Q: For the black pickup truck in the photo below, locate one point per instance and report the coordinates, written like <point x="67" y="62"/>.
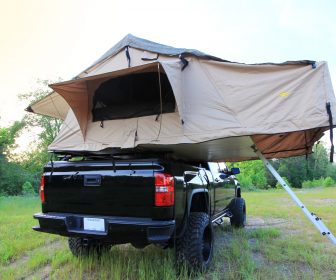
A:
<point x="100" y="200"/>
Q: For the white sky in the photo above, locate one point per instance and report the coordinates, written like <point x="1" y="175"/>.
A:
<point x="42" y="39"/>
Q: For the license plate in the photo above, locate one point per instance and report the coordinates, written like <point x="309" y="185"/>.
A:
<point x="94" y="224"/>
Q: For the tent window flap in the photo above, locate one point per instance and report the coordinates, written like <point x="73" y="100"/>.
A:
<point x="131" y="96"/>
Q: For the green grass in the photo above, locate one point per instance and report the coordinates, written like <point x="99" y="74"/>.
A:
<point x="279" y="243"/>
<point x="16" y="235"/>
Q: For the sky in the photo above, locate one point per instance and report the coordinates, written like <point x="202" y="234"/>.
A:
<point x="42" y="39"/>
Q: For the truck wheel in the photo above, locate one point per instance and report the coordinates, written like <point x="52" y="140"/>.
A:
<point x="80" y="247"/>
<point x="195" y="247"/>
<point x="238" y="210"/>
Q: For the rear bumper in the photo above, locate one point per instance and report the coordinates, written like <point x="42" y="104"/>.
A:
<point x="117" y="229"/>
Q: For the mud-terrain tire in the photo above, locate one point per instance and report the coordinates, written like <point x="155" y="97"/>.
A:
<point x="238" y="210"/>
<point x="195" y="247"/>
<point x="78" y="247"/>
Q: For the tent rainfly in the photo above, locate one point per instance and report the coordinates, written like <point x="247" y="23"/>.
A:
<point x="147" y="96"/>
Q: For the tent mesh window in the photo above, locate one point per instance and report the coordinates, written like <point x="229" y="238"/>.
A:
<point x="132" y="96"/>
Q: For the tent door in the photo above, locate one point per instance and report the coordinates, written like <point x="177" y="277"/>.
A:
<point x="311" y="216"/>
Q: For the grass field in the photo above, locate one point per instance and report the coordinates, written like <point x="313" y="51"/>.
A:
<point x="278" y="243"/>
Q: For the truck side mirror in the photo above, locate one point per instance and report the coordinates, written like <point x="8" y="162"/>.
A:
<point x="223" y="175"/>
<point x="235" y="170"/>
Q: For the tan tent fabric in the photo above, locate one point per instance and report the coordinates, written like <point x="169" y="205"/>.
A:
<point x="78" y="93"/>
<point x="119" y="62"/>
<point x="78" y="102"/>
<point x="250" y="99"/>
<point x="219" y="107"/>
<point x="53" y="105"/>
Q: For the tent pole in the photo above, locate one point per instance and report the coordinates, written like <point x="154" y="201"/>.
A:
<point x="311" y="216"/>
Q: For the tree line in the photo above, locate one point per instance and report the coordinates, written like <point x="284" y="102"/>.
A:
<point x="20" y="174"/>
<point x="312" y="170"/>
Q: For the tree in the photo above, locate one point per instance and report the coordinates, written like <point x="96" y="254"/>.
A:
<point x="295" y="169"/>
<point x="49" y="126"/>
<point x="7" y="135"/>
<point x="318" y="163"/>
<point x="253" y="174"/>
<point x="26" y="168"/>
<point x="36" y="158"/>
<point x="12" y="175"/>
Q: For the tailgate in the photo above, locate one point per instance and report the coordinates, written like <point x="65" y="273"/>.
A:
<point x="101" y="188"/>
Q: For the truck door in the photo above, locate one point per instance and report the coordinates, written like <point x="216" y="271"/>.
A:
<point x="224" y="188"/>
<point x="208" y="182"/>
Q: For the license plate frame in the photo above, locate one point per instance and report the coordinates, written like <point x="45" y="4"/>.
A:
<point x="94" y="224"/>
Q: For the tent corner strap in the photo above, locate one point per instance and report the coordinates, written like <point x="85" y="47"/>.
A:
<point x="317" y="221"/>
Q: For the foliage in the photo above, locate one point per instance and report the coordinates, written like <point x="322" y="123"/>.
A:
<point x="331" y="171"/>
<point x="298" y="171"/>
<point x="12" y="175"/>
<point x="321" y="182"/>
<point x="294" y="169"/>
<point x="35" y="158"/>
<point x="49" y="126"/>
<point x="27" y="189"/>
<point x="312" y="184"/>
<point x="253" y="174"/>
<point x="312" y="168"/>
<point x="16" y="172"/>
<point x="246" y="183"/>
<point x="278" y="185"/>
<point x="328" y="182"/>
<point x="7" y="135"/>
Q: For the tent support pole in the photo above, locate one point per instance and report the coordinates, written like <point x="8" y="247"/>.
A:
<point x="311" y="216"/>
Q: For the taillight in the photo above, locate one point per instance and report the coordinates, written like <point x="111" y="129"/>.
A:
<point x="164" y="189"/>
<point x="42" y="190"/>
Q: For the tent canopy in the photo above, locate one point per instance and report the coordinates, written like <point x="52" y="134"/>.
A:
<point x="146" y="96"/>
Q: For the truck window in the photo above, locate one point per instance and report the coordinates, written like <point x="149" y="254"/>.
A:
<point x="222" y="166"/>
<point x="214" y="168"/>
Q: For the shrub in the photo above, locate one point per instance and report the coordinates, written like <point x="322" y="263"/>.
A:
<point x="307" y="184"/>
<point x="328" y="182"/>
<point x="314" y="183"/>
<point x="250" y="188"/>
<point x="318" y="182"/>
<point x="331" y="171"/>
<point x="259" y="180"/>
<point x="246" y="183"/>
<point x="27" y="189"/>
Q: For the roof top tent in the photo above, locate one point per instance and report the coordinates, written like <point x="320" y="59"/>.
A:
<point x="141" y="95"/>
<point x="147" y="96"/>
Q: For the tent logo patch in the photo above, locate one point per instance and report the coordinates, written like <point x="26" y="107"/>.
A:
<point x="284" y="94"/>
